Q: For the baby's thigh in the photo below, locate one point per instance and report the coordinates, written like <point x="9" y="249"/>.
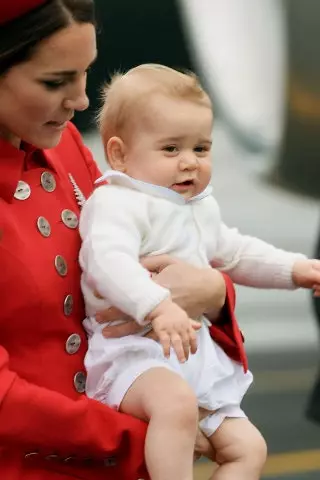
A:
<point x="159" y="391"/>
<point x="237" y="439"/>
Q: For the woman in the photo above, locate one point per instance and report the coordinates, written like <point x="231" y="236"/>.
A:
<point x="48" y="428"/>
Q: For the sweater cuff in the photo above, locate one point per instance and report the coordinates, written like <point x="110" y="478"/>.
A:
<point x="283" y="276"/>
<point x="152" y="299"/>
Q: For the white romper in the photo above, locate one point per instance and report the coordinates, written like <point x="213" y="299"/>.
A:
<point x="128" y="219"/>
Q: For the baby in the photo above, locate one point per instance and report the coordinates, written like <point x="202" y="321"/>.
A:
<point x="156" y="126"/>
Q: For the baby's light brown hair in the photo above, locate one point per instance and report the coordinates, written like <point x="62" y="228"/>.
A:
<point x="126" y="96"/>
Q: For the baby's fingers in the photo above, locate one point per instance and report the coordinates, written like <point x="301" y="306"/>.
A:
<point x="195" y="325"/>
<point x="316" y="264"/>
<point x="185" y="337"/>
<point x="176" y="342"/>
<point x="193" y="341"/>
<point x="316" y="277"/>
<point x="164" y="339"/>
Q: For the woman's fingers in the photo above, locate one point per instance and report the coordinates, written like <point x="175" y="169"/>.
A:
<point x="157" y="263"/>
<point x="109" y="315"/>
<point x="152" y="334"/>
<point x="122" y="330"/>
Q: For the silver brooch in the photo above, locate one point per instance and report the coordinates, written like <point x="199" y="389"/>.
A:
<point x="77" y="192"/>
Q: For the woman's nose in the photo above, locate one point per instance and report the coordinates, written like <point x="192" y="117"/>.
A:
<point x="77" y="99"/>
<point x="79" y="103"/>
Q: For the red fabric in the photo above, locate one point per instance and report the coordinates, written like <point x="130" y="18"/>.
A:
<point x="11" y="9"/>
<point x="226" y="331"/>
<point x="40" y="410"/>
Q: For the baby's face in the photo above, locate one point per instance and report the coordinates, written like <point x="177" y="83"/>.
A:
<point x="171" y="145"/>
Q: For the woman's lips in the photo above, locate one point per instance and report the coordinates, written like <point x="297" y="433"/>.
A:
<point x="57" y="125"/>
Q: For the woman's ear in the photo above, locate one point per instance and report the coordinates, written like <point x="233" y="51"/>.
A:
<point x="115" y="152"/>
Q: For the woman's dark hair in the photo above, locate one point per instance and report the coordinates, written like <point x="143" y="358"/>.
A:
<point x="20" y="37"/>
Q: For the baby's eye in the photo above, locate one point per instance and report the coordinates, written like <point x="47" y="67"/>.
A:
<point x="201" y="148"/>
<point x="170" y="148"/>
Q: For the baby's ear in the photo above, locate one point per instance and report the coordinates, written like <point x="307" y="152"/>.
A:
<point x="115" y="151"/>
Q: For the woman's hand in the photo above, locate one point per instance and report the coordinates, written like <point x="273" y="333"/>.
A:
<point x="127" y="327"/>
<point x="196" y="290"/>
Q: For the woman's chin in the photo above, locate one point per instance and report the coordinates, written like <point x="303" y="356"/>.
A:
<point x="46" y="139"/>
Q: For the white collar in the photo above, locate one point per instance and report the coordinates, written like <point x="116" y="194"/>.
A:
<point x="118" y="178"/>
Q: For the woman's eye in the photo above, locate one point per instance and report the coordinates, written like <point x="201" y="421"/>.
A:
<point x="53" y="84"/>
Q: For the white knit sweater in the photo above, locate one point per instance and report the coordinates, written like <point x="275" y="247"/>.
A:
<point x="128" y="219"/>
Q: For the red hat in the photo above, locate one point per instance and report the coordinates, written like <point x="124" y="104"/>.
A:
<point x="11" y="9"/>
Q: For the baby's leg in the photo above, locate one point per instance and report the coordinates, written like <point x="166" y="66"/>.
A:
<point x="165" y="400"/>
<point x="241" y="451"/>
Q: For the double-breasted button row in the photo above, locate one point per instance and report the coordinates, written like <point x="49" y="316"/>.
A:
<point x="70" y="220"/>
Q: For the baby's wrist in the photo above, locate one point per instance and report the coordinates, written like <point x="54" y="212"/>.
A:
<point x="159" y="309"/>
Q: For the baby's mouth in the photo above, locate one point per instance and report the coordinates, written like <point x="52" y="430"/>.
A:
<point x="186" y="183"/>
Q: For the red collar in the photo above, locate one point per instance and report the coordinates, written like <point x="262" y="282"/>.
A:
<point x="14" y="161"/>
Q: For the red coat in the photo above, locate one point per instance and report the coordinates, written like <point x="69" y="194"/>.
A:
<point x="49" y="430"/>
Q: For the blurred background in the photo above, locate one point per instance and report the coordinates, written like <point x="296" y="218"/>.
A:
<point x="260" y="63"/>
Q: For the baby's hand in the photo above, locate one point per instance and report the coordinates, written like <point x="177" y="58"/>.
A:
<point x="306" y="274"/>
<point x="174" y="329"/>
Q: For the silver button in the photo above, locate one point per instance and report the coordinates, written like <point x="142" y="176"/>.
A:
<point x="69" y="218"/>
<point x="68" y="305"/>
<point x="48" y="182"/>
<point x="79" y="381"/>
<point x="61" y="265"/>
<point x="52" y="457"/>
<point x="31" y="454"/>
<point x="44" y="226"/>
<point x="73" y="343"/>
<point x="23" y="191"/>
<point x="69" y="459"/>
<point x="110" y="462"/>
